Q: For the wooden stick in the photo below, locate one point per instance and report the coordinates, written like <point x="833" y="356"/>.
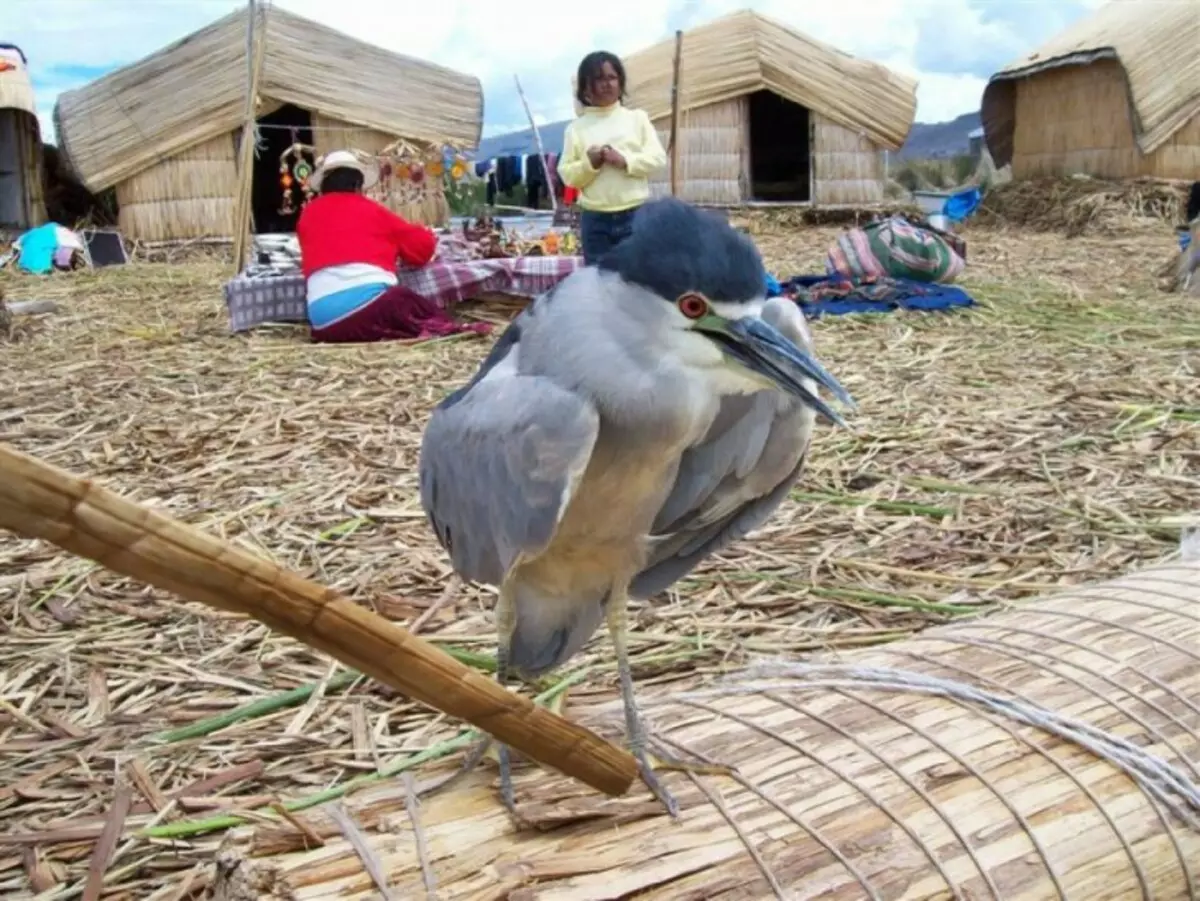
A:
<point x="255" y="51"/>
<point x="675" y="113"/>
<point x="537" y="137"/>
<point x="38" y="500"/>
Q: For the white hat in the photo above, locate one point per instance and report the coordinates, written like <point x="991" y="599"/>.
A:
<point x="343" y="159"/>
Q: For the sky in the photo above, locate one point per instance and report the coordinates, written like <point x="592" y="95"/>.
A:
<point x="951" y="46"/>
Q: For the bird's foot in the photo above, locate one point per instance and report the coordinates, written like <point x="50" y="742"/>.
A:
<point x="649" y="765"/>
<point x="650" y="778"/>
<point x="674" y="764"/>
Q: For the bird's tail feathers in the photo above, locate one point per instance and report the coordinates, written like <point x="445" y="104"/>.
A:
<point x="549" y="630"/>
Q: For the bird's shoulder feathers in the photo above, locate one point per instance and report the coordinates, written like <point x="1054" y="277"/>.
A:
<point x="500" y="464"/>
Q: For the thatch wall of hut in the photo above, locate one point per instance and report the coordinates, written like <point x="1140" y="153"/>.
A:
<point x="163" y="131"/>
<point x="188" y="195"/>
<point x="715" y="159"/>
<point x="24" y="203"/>
<point x="714" y="153"/>
<point x="191" y="194"/>
<point x="855" y="110"/>
<point x="1077" y="119"/>
<point x="1116" y="95"/>
<point x="424" y="202"/>
<point x="847" y="167"/>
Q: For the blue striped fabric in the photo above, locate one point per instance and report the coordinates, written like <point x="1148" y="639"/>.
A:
<point x="325" y="311"/>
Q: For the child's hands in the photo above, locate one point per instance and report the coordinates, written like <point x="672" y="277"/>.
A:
<point x="596" y="156"/>
<point x="613" y="157"/>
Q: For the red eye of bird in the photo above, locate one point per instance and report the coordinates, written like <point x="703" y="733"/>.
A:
<point x="693" y="306"/>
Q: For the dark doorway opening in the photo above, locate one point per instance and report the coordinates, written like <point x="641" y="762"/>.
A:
<point x="780" y="149"/>
<point x="278" y="131"/>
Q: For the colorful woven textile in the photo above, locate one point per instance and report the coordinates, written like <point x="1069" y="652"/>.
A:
<point x="897" y="248"/>
<point x="258" y="297"/>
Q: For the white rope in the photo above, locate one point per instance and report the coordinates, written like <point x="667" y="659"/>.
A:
<point x="1157" y="777"/>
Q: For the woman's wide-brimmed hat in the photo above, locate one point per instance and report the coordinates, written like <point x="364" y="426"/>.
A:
<point x="343" y="159"/>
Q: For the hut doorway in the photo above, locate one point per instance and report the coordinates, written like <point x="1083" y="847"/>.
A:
<point x="780" y="149"/>
<point x="16" y="169"/>
<point x="278" y="131"/>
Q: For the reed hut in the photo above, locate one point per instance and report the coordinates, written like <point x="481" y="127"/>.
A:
<point x="164" y="131"/>
<point x="22" y="200"/>
<point x="769" y="114"/>
<point x="1117" y="95"/>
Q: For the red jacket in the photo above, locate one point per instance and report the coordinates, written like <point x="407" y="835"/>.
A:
<point x="335" y="229"/>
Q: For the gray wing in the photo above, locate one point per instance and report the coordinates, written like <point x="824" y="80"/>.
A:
<point x="500" y="461"/>
<point x="727" y="485"/>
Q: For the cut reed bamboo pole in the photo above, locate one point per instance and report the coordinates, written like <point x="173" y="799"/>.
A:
<point x="848" y="790"/>
<point x="674" y="142"/>
<point x="41" y="501"/>
<point x="537" y="137"/>
<point x="255" y="53"/>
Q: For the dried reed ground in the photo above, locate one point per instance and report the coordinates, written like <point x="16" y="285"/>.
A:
<point x="1050" y="437"/>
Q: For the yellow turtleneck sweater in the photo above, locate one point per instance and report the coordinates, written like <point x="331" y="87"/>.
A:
<point x="629" y="132"/>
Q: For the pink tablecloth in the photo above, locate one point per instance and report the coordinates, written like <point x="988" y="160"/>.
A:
<point x="258" y="297"/>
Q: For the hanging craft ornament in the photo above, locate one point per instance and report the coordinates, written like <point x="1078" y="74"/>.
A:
<point x="287" y="207"/>
<point x="435" y="169"/>
<point x="416" y="172"/>
<point x="457" y="170"/>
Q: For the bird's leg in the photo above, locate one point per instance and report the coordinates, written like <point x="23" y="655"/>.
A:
<point x="505" y="622"/>
<point x="618" y="625"/>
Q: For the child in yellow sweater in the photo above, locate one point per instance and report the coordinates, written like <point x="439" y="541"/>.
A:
<point x="608" y="154"/>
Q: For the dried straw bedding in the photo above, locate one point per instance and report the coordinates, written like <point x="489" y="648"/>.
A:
<point x="961" y="479"/>
<point x="1049" y="751"/>
<point x="1155" y="45"/>
<point x="194" y="90"/>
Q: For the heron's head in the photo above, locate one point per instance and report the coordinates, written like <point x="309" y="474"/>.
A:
<point x="712" y="280"/>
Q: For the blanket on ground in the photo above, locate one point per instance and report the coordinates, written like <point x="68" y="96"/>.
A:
<point x="819" y="295"/>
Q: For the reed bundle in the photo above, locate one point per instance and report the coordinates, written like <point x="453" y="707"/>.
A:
<point x="952" y="765"/>
<point x="41" y="501"/>
<point x="1084" y="206"/>
<point x="1159" y="98"/>
<point x="744" y="52"/>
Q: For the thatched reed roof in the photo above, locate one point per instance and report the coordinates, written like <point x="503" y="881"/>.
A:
<point x="1156" y="43"/>
<point x="16" y="90"/>
<point x="195" y="89"/>
<point x="745" y="52"/>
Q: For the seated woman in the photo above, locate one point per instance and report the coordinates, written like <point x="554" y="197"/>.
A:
<point x="349" y="247"/>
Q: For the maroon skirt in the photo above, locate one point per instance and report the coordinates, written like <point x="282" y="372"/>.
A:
<point x="398" y="314"/>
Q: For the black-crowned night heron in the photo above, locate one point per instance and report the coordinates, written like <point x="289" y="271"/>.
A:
<point x="629" y="423"/>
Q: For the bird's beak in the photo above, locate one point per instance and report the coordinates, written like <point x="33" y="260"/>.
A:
<point x="763" y="349"/>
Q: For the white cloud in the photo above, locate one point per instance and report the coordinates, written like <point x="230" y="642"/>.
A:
<point x="541" y="40"/>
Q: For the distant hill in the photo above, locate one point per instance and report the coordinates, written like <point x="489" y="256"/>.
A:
<point x="925" y="141"/>
<point x="940" y="139"/>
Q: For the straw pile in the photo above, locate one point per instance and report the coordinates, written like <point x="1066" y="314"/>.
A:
<point x="1047" y="438"/>
<point x="879" y="776"/>
<point x="1084" y="206"/>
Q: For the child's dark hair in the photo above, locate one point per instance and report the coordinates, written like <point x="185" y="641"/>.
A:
<point x="342" y="180"/>
<point x="589" y="70"/>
